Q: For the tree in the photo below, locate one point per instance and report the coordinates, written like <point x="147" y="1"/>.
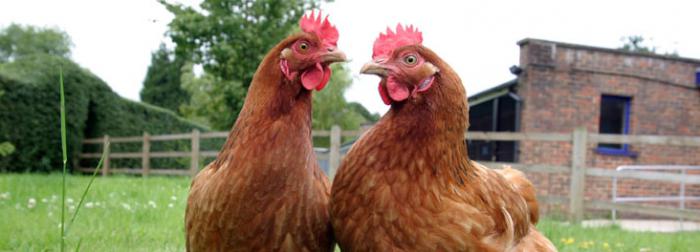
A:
<point x="162" y="84"/>
<point x="368" y="116"/>
<point x="634" y="43"/>
<point x="19" y="41"/>
<point x="6" y="148"/>
<point x="329" y="105"/>
<point x="229" y="38"/>
<point x="210" y="98"/>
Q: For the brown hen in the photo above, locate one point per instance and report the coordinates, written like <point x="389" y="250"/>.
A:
<point x="408" y="184"/>
<point x="265" y="191"/>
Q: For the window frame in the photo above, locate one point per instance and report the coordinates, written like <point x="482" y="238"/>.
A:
<point x="625" y="150"/>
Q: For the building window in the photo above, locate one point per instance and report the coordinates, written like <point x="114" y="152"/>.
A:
<point x="614" y="119"/>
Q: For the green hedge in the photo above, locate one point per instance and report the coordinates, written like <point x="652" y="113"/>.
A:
<point x="29" y="115"/>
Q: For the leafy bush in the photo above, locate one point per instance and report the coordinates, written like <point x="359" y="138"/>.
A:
<point x="29" y="117"/>
<point x="6" y="148"/>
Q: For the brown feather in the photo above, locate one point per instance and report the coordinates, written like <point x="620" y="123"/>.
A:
<point x="408" y="184"/>
<point x="525" y="188"/>
<point x="265" y="191"/>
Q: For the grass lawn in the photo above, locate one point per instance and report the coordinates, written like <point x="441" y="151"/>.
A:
<point x="119" y="213"/>
<point x="569" y="238"/>
<point x="146" y="214"/>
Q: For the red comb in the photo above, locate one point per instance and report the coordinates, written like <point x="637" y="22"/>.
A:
<point x="386" y="43"/>
<point x="321" y="27"/>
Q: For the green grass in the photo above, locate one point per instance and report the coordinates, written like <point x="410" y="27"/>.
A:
<point x="576" y="238"/>
<point x="65" y="164"/>
<point x="119" y="213"/>
<point x="124" y="220"/>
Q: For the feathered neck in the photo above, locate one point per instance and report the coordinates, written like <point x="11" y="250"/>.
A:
<point x="272" y="100"/>
<point x="433" y="122"/>
<point x="271" y="94"/>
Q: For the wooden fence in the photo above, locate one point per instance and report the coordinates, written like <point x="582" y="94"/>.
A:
<point x="577" y="170"/>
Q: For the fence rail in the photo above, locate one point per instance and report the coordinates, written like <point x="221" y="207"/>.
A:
<point x="577" y="170"/>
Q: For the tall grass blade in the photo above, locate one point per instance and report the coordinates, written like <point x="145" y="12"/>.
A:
<point x="80" y="242"/>
<point x="87" y="188"/>
<point x="65" y="161"/>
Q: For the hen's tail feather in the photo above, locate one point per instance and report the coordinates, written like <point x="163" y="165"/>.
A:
<point x="525" y="188"/>
<point x="534" y="242"/>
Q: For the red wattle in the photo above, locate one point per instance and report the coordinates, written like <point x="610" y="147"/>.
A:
<point x="316" y="77"/>
<point x="384" y="94"/>
<point x="326" y="77"/>
<point x="397" y="91"/>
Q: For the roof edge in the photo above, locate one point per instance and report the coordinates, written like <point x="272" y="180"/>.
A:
<point x="526" y="41"/>
<point x="504" y="85"/>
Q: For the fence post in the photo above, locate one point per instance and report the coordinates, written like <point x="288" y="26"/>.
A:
<point x="194" y="158"/>
<point x="146" y="155"/>
<point x="578" y="174"/>
<point x="105" y="150"/>
<point x="334" y="152"/>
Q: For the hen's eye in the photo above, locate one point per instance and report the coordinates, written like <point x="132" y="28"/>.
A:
<point x="410" y="59"/>
<point x="303" y="46"/>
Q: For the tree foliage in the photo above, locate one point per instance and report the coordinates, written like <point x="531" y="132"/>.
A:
<point x="635" y="43"/>
<point x="211" y="98"/>
<point x="329" y="105"/>
<point x="368" y="116"/>
<point x="229" y="38"/>
<point x="6" y="148"/>
<point x="17" y="41"/>
<point x="161" y="86"/>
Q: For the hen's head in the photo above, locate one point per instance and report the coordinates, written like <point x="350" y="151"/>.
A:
<point x="402" y="63"/>
<point x="308" y="54"/>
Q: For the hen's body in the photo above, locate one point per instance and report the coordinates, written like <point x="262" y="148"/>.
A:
<point x="265" y="191"/>
<point x="408" y="184"/>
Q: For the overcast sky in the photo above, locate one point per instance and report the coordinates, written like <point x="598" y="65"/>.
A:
<point x="114" y="39"/>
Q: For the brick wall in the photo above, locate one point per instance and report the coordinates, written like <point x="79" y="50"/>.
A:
<point x="561" y="86"/>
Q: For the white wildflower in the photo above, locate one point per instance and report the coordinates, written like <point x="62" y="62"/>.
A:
<point x="69" y="200"/>
<point x="71" y="208"/>
<point x="89" y="205"/>
<point x="152" y="204"/>
<point x="50" y="214"/>
<point x="173" y="198"/>
<point x="44" y="200"/>
<point x="126" y="206"/>
<point x="31" y="203"/>
<point x="5" y="195"/>
<point x="170" y="205"/>
<point x="54" y="197"/>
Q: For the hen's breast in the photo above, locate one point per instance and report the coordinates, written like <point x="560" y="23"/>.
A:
<point x="388" y="197"/>
<point x="376" y="206"/>
<point x="271" y="204"/>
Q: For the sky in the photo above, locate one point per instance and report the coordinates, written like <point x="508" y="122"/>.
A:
<point x="114" y="39"/>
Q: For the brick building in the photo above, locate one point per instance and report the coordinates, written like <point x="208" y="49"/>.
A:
<point x="561" y="86"/>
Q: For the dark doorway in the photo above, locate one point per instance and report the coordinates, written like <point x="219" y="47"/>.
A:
<point x="498" y="114"/>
